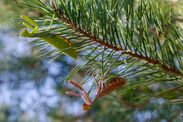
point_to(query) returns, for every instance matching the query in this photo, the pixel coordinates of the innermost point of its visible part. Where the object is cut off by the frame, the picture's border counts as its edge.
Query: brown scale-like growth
(111, 85)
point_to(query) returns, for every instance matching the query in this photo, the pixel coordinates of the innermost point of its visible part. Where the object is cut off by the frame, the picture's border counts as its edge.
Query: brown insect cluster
(111, 85)
(101, 90)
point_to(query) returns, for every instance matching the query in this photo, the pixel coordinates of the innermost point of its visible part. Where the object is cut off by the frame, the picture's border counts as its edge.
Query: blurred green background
(31, 91)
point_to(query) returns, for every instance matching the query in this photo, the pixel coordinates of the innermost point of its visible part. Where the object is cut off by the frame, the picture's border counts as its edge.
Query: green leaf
(56, 41)
(29, 20)
(25, 33)
(61, 44)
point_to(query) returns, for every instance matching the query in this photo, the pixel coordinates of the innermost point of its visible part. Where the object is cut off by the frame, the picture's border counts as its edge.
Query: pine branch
(92, 38)
(130, 39)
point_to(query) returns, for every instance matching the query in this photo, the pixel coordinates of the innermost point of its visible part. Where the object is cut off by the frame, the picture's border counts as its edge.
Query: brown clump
(113, 84)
